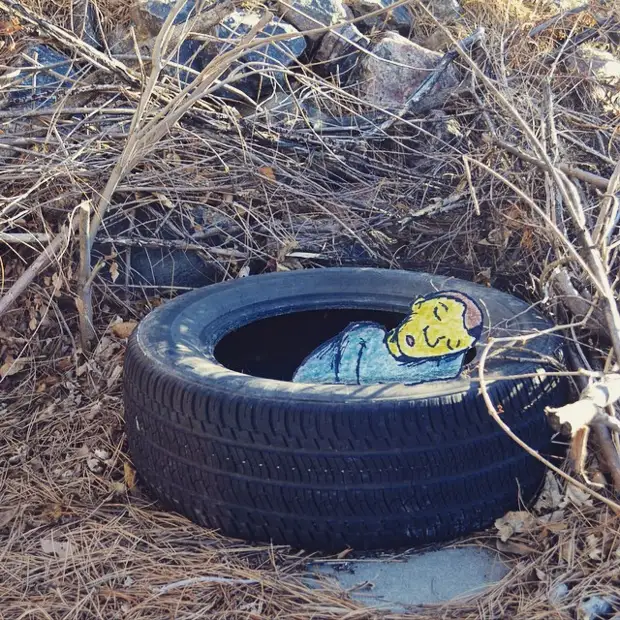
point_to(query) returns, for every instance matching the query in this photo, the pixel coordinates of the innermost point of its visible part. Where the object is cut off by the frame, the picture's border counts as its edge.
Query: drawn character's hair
(473, 314)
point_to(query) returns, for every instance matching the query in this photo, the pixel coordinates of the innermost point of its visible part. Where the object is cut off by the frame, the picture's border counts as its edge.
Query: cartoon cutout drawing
(429, 345)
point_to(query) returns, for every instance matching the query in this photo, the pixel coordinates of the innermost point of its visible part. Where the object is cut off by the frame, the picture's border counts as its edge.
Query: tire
(329, 467)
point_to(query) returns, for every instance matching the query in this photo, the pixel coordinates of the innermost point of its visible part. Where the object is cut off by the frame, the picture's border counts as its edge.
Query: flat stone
(42, 86)
(395, 69)
(339, 51)
(406, 581)
(398, 18)
(446, 11)
(594, 608)
(271, 59)
(310, 14)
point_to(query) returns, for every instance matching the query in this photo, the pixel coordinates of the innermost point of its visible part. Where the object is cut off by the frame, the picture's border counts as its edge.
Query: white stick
(589, 408)
(193, 580)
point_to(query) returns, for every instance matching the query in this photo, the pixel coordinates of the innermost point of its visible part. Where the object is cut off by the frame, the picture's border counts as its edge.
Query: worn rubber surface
(327, 467)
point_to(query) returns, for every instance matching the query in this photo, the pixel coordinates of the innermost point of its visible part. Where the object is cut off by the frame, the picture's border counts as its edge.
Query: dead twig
(589, 409)
(49, 254)
(573, 171)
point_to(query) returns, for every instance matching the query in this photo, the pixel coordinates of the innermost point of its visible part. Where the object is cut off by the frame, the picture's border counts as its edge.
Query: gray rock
(310, 14)
(339, 51)
(153, 266)
(149, 15)
(446, 11)
(398, 18)
(85, 23)
(189, 54)
(270, 59)
(395, 69)
(40, 82)
(593, 608)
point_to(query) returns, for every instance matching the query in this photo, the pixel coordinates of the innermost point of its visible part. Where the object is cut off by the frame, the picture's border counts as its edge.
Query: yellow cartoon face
(438, 325)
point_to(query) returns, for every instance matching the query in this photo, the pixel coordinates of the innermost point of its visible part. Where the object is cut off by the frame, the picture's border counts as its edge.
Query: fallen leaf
(6, 516)
(117, 487)
(551, 495)
(542, 576)
(11, 366)
(129, 476)
(594, 550)
(62, 550)
(566, 550)
(124, 329)
(114, 376)
(578, 497)
(10, 27)
(114, 271)
(515, 547)
(514, 522)
(267, 171)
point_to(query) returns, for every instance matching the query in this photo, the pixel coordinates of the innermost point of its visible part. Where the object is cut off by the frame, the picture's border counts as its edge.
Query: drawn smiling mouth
(432, 345)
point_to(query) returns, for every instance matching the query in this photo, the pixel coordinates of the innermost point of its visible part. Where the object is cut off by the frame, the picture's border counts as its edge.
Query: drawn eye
(410, 340)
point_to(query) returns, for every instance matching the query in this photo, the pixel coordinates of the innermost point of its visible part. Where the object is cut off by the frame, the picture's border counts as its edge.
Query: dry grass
(78, 538)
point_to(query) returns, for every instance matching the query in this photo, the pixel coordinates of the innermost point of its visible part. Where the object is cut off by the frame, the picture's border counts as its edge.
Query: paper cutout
(429, 345)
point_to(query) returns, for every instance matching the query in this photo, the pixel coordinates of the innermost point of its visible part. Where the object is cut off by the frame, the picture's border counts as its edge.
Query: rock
(446, 11)
(153, 266)
(593, 608)
(85, 23)
(271, 58)
(339, 51)
(395, 69)
(150, 15)
(592, 62)
(310, 14)
(189, 54)
(601, 71)
(41, 87)
(437, 41)
(398, 18)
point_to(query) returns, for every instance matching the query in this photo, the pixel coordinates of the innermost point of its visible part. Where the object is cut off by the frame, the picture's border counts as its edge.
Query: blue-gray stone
(398, 18)
(86, 23)
(340, 51)
(42, 85)
(189, 54)
(311, 14)
(593, 608)
(269, 59)
(160, 9)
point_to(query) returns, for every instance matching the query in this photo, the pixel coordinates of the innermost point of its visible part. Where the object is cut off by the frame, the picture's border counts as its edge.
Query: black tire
(327, 467)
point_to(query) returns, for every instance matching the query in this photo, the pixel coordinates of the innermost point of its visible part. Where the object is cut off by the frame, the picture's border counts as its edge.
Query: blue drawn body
(429, 345)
